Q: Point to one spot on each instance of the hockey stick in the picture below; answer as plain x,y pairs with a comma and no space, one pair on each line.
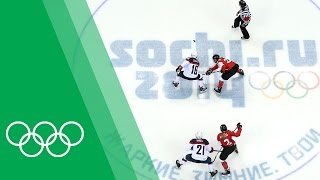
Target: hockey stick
217,155
221,149
217,151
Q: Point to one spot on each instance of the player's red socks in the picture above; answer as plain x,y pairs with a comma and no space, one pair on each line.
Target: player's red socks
220,84
225,165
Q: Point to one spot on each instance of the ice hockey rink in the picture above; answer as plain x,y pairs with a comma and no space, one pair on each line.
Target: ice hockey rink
277,101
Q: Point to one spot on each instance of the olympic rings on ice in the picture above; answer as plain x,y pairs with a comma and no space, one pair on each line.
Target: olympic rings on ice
39,139
284,86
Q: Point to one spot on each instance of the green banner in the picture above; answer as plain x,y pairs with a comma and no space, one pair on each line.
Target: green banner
38,92
63,112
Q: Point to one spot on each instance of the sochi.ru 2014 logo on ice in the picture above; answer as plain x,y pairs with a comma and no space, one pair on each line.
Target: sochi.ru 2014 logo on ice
38,139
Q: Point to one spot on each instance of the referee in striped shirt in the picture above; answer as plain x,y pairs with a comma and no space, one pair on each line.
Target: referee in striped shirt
243,18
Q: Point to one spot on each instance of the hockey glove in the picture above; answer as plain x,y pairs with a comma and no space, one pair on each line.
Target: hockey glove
178,70
208,72
239,126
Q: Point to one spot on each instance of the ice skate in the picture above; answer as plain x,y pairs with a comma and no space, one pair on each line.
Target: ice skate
226,173
213,173
217,90
203,89
175,84
178,164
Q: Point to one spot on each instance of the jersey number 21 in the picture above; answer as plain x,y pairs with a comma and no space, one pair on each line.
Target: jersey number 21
200,149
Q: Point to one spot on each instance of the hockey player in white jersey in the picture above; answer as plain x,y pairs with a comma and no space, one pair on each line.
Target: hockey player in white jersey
189,70
198,152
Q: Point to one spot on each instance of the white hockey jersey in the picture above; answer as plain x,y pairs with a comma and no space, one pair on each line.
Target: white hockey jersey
200,149
190,67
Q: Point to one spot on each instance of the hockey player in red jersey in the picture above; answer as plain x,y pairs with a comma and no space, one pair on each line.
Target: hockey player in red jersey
200,150
227,68
228,144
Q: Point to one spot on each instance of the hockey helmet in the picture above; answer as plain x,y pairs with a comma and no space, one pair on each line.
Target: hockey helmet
194,54
199,135
215,58
242,4
223,128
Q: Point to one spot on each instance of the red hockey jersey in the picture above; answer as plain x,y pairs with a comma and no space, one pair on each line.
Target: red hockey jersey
223,65
225,138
